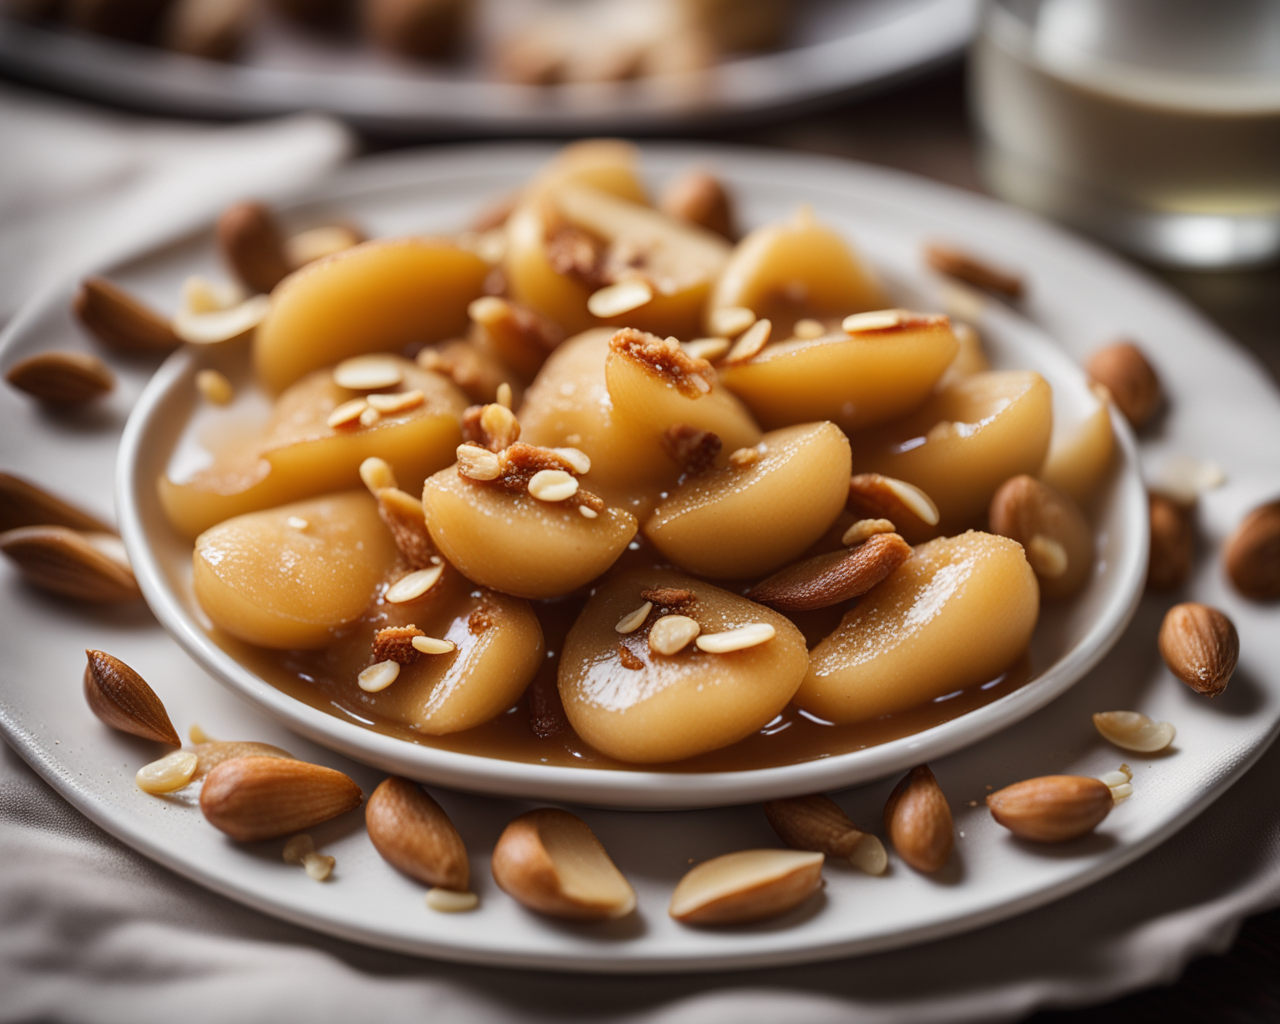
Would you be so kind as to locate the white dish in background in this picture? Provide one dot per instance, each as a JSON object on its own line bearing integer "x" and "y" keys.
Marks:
{"x": 1220, "y": 404}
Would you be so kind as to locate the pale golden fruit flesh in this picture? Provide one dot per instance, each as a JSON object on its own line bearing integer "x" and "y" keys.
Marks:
{"x": 1080, "y": 456}
{"x": 956, "y": 613}
{"x": 673, "y": 706}
{"x": 735, "y": 523}
{"x": 965, "y": 441}
{"x": 377, "y": 297}
{"x": 288, "y": 577}
{"x": 855, "y": 381}
{"x": 300, "y": 455}
{"x": 796, "y": 269}
{"x": 609, "y": 165}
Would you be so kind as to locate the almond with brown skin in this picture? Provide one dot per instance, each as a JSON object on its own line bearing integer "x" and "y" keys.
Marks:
{"x": 120, "y": 321}
{"x": 1052, "y": 808}
{"x": 252, "y": 245}
{"x": 414, "y": 835}
{"x": 917, "y": 819}
{"x": 62, "y": 378}
{"x": 699, "y": 198}
{"x": 71, "y": 563}
{"x": 22, "y": 503}
{"x": 831, "y": 578}
{"x": 1125, "y": 372}
{"x": 1252, "y": 554}
{"x": 124, "y": 701}
{"x": 1172, "y": 544}
{"x": 254, "y": 798}
{"x": 1051, "y": 529}
{"x": 1200, "y": 645}
{"x": 816, "y": 822}
{"x": 973, "y": 270}
{"x": 874, "y": 496}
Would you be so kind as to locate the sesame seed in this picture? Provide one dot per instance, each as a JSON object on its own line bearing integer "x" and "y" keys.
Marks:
{"x": 632, "y": 621}
{"x": 736, "y": 639}
{"x": 378, "y": 677}
{"x": 414, "y": 585}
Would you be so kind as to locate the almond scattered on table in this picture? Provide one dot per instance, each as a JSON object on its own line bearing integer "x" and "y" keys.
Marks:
{"x": 1125, "y": 372}
{"x": 119, "y": 321}
{"x": 1200, "y": 645}
{"x": 1052, "y": 808}
{"x": 122, "y": 699}
{"x": 1172, "y": 544}
{"x": 80, "y": 565}
{"x": 917, "y": 820}
{"x": 974, "y": 270}
{"x": 749, "y": 885}
{"x": 413, "y": 834}
{"x": 62, "y": 378}
{"x": 22, "y": 503}
{"x": 816, "y": 822}
{"x": 1252, "y": 554}
{"x": 254, "y": 798}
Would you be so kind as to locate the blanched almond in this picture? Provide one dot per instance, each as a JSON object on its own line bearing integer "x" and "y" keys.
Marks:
{"x": 917, "y": 819}
{"x": 1132, "y": 730}
{"x": 124, "y": 701}
{"x": 1200, "y": 645}
{"x": 816, "y": 822}
{"x": 832, "y": 578}
{"x": 1052, "y": 808}
{"x": 414, "y": 835}
{"x": 750, "y": 885}
{"x": 253, "y": 798}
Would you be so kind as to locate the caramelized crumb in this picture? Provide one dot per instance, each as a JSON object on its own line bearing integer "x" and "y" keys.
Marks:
{"x": 479, "y": 621}
{"x": 628, "y": 659}
{"x": 466, "y": 366}
{"x": 669, "y": 600}
{"x": 546, "y": 712}
{"x": 691, "y": 376}
{"x": 402, "y": 513}
{"x": 692, "y": 449}
{"x": 578, "y": 254}
{"x": 395, "y": 643}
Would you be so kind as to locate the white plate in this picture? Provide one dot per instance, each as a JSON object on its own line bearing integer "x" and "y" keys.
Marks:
{"x": 170, "y": 419}
{"x": 1223, "y": 406}
{"x": 838, "y": 47}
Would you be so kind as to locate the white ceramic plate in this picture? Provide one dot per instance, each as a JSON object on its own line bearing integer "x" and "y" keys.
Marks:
{"x": 170, "y": 420}
{"x": 838, "y": 47}
{"x": 1223, "y": 407}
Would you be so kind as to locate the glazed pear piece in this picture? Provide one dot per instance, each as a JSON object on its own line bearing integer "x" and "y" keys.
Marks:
{"x": 965, "y": 441}
{"x": 302, "y": 454}
{"x": 634, "y": 703}
{"x": 288, "y": 577}
{"x": 955, "y": 614}
{"x": 609, "y": 165}
{"x": 1080, "y": 454}
{"x": 857, "y": 378}
{"x": 795, "y": 269}
{"x": 762, "y": 510}
{"x": 376, "y": 297}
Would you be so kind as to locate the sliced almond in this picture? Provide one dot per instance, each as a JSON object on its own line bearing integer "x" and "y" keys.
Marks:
{"x": 876, "y": 320}
{"x": 875, "y": 496}
{"x": 1172, "y": 544}
{"x": 62, "y": 378}
{"x": 816, "y": 822}
{"x": 973, "y": 270}
{"x": 917, "y": 819}
{"x": 553, "y": 485}
{"x": 865, "y": 529}
{"x": 1132, "y": 730}
{"x": 1052, "y": 808}
{"x": 122, "y": 699}
{"x": 753, "y": 339}
{"x": 671, "y": 634}
{"x": 120, "y": 321}
{"x": 22, "y": 503}
{"x": 414, "y": 835}
{"x": 368, "y": 373}
{"x": 632, "y": 621}
{"x": 253, "y": 246}
{"x": 709, "y": 349}
{"x": 211, "y": 753}
{"x": 752, "y": 635}
{"x": 376, "y": 474}
{"x": 550, "y": 861}
{"x": 832, "y": 578}
{"x": 414, "y": 585}
{"x": 379, "y": 676}
{"x": 750, "y": 885}
{"x": 215, "y": 387}
{"x": 447, "y": 901}
{"x": 1134, "y": 387}
{"x": 1201, "y": 647}
{"x": 476, "y": 463}
{"x": 730, "y": 321}
{"x": 616, "y": 299}
{"x": 167, "y": 775}
{"x": 433, "y": 645}
{"x": 348, "y": 413}
{"x": 221, "y": 325}
{"x": 808, "y": 328}
{"x": 402, "y": 513}
{"x": 401, "y": 401}
{"x": 254, "y": 798}
{"x": 1252, "y": 554}
{"x": 317, "y": 243}
{"x": 71, "y": 563}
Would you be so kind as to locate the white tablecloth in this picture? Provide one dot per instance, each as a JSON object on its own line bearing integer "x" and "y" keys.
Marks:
{"x": 91, "y": 931}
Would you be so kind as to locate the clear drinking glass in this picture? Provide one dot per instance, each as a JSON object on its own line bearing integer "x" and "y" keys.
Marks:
{"x": 1153, "y": 124}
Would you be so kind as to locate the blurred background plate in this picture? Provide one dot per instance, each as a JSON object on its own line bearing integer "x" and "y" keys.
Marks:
{"x": 835, "y": 48}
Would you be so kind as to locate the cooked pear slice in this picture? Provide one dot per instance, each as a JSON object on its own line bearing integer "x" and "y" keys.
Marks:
{"x": 1080, "y": 455}
{"x": 376, "y": 297}
{"x": 762, "y": 510}
{"x": 288, "y": 577}
{"x": 640, "y": 706}
{"x": 608, "y": 165}
{"x": 956, "y": 613}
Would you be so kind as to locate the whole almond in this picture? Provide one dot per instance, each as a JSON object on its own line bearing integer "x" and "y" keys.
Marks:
{"x": 1052, "y": 808}
{"x": 68, "y": 562}
{"x": 414, "y": 835}
{"x": 1124, "y": 371}
{"x": 212, "y": 753}
{"x": 917, "y": 819}
{"x": 974, "y": 270}
{"x": 1252, "y": 554}
{"x": 874, "y": 496}
{"x": 22, "y": 503}
{"x": 749, "y": 885}
{"x": 699, "y": 198}
{"x": 124, "y": 701}
{"x": 831, "y": 578}
{"x": 1051, "y": 529}
{"x": 253, "y": 798}
{"x": 1172, "y": 544}
{"x": 418, "y": 28}
{"x": 253, "y": 246}
{"x": 1200, "y": 645}
{"x": 816, "y": 822}
{"x": 550, "y": 861}
{"x": 120, "y": 321}
{"x": 213, "y": 29}
{"x": 62, "y": 378}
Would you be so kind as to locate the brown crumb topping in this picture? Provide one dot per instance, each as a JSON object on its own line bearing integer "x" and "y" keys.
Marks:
{"x": 577, "y": 254}
{"x": 479, "y": 621}
{"x": 395, "y": 643}
{"x": 693, "y": 450}
{"x": 490, "y": 426}
{"x": 669, "y": 600}
{"x": 521, "y": 462}
{"x": 546, "y": 712}
{"x": 628, "y": 659}
{"x": 402, "y": 513}
{"x": 691, "y": 376}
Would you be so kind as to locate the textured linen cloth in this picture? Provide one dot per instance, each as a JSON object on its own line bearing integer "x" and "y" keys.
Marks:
{"x": 92, "y": 931}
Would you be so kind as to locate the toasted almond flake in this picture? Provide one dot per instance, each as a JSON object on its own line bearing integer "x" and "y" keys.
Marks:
{"x": 296, "y": 523}
{"x": 616, "y": 299}
{"x": 221, "y": 325}
{"x": 504, "y": 396}
{"x": 914, "y": 498}
{"x": 730, "y": 321}
{"x": 347, "y": 413}
{"x": 318, "y": 866}
{"x": 368, "y": 373}
{"x": 587, "y": 512}
{"x": 752, "y": 341}
{"x": 298, "y": 847}
{"x": 671, "y": 634}
{"x": 369, "y": 417}
{"x": 431, "y": 645}
{"x": 736, "y": 639}
{"x": 378, "y": 677}
{"x": 399, "y": 402}
{"x": 200, "y": 295}
{"x": 553, "y": 485}
{"x": 1183, "y": 479}
{"x": 414, "y": 585}
{"x": 478, "y": 463}
{"x": 864, "y": 529}
{"x": 632, "y": 621}
{"x": 709, "y": 349}
{"x": 878, "y": 320}
{"x": 500, "y": 424}
{"x": 809, "y": 329}
{"x": 1132, "y": 730}
{"x": 215, "y": 387}
{"x": 1047, "y": 557}
{"x": 377, "y": 474}
{"x": 578, "y": 459}
{"x": 744, "y": 457}
{"x": 170, "y": 773}
{"x": 447, "y": 901}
